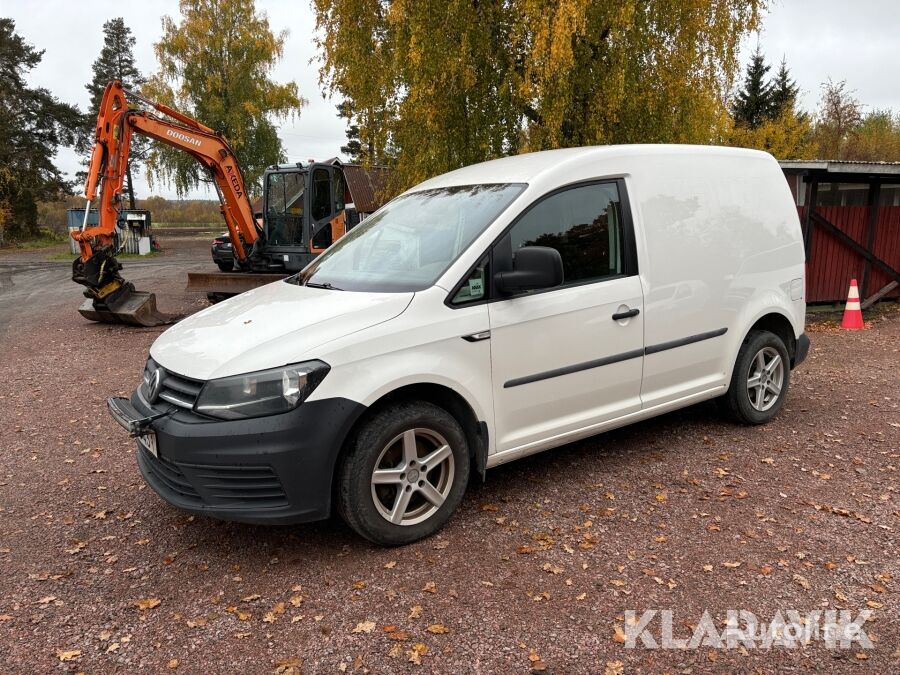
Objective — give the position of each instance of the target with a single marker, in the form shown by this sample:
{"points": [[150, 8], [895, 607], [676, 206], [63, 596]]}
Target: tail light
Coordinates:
{"points": [[218, 241]]}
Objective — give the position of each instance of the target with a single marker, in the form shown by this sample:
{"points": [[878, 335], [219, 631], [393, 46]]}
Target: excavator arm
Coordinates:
{"points": [[110, 297]]}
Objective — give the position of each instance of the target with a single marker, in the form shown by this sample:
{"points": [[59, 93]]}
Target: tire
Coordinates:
{"points": [[377, 511], [224, 266], [746, 404]]}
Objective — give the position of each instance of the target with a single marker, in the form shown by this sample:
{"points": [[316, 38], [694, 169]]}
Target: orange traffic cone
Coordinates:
{"points": [[853, 319]]}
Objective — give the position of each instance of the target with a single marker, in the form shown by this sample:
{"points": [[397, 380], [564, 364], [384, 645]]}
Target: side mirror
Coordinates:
{"points": [[535, 267]]}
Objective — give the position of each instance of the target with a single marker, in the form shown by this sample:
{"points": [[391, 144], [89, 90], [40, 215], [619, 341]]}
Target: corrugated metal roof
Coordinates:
{"points": [[367, 186], [842, 166]]}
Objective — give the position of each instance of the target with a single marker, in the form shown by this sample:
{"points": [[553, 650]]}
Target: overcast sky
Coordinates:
{"points": [[857, 42]]}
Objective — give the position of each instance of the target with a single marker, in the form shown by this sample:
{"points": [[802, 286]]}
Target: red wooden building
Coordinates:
{"points": [[850, 213]]}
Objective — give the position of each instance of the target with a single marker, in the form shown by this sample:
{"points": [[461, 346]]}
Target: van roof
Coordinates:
{"points": [[526, 167]]}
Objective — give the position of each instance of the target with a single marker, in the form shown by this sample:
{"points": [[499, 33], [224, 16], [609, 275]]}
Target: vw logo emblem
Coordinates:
{"points": [[155, 385]]}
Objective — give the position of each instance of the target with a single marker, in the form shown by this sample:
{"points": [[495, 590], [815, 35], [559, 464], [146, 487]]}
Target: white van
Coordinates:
{"points": [[487, 314]]}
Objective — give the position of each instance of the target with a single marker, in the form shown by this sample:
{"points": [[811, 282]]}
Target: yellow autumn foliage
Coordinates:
{"points": [[438, 84]]}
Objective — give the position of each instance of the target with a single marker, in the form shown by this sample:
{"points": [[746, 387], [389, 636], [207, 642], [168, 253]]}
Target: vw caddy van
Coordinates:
{"points": [[484, 315]]}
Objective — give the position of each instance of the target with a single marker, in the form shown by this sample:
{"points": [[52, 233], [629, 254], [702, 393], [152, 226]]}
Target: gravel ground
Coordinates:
{"points": [[535, 572]]}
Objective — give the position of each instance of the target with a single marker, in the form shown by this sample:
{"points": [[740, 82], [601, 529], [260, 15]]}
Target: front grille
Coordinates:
{"points": [[223, 485], [175, 389]]}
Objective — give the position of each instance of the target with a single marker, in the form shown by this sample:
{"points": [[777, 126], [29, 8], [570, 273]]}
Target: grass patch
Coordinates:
{"points": [[44, 239]]}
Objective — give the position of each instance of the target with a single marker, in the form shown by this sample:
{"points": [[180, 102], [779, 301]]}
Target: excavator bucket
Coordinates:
{"points": [[136, 308]]}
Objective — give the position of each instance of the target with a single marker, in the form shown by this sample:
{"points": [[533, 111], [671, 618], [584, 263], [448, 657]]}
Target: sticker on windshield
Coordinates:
{"points": [[476, 288]]}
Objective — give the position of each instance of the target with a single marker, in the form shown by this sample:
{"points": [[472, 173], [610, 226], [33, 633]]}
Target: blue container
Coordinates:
{"points": [[74, 220]]}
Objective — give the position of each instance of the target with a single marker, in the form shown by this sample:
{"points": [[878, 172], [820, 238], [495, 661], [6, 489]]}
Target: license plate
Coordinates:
{"points": [[148, 440]]}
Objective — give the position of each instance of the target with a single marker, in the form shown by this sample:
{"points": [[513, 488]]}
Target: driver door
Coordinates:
{"points": [[566, 358]]}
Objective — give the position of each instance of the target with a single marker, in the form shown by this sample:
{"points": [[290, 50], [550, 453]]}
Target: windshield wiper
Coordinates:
{"points": [[327, 285]]}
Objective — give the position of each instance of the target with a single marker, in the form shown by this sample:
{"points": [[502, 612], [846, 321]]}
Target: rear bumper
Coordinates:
{"points": [[222, 255], [801, 352], [274, 469]]}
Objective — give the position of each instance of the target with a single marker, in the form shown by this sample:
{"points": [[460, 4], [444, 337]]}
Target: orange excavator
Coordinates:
{"points": [[110, 298]]}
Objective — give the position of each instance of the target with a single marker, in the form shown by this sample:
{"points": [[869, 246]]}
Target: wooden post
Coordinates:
{"points": [[874, 196], [812, 195]]}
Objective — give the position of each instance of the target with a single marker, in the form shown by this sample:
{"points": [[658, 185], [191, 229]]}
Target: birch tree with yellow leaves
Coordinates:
{"points": [[215, 66], [438, 84]]}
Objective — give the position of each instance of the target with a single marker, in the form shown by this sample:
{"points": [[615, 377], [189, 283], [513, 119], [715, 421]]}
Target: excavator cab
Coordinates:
{"points": [[304, 212]]}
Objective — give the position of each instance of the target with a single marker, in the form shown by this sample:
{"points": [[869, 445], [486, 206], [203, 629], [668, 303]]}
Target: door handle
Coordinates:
{"points": [[626, 315]]}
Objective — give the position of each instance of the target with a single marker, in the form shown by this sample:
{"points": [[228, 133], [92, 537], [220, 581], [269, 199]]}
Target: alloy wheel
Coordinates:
{"points": [[413, 476], [765, 379]]}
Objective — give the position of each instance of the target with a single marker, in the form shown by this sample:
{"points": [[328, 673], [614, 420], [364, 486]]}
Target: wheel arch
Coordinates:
{"points": [[778, 323], [476, 431]]}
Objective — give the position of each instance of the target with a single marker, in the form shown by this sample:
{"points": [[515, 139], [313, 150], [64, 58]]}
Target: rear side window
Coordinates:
{"points": [[583, 223]]}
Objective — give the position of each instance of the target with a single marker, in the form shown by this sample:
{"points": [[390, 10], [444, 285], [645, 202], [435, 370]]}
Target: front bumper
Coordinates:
{"points": [[801, 351], [275, 469]]}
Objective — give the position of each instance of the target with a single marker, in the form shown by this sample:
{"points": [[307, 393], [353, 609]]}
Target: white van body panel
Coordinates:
{"points": [[274, 325], [721, 246], [423, 345], [718, 246], [547, 331]]}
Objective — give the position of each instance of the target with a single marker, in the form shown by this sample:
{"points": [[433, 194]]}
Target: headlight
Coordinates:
{"points": [[267, 392]]}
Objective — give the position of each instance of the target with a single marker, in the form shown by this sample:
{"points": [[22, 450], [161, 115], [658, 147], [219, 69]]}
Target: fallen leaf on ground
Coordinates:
{"points": [[437, 629], [68, 654], [288, 667], [364, 627], [147, 603], [536, 662], [416, 653]]}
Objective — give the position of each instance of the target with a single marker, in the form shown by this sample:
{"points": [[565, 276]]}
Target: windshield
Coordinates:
{"points": [[284, 208], [411, 241]]}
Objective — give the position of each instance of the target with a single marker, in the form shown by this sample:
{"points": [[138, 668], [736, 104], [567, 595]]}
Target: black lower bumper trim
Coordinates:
{"points": [[801, 352], [274, 469]]}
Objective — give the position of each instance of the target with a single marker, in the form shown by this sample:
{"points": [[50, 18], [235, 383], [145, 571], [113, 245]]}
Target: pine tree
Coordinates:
{"points": [[355, 150], [116, 62], [753, 104], [33, 124], [783, 90]]}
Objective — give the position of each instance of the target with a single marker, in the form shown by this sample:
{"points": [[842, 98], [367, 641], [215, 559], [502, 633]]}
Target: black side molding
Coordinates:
{"points": [[681, 342], [616, 358], [568, 370]]}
